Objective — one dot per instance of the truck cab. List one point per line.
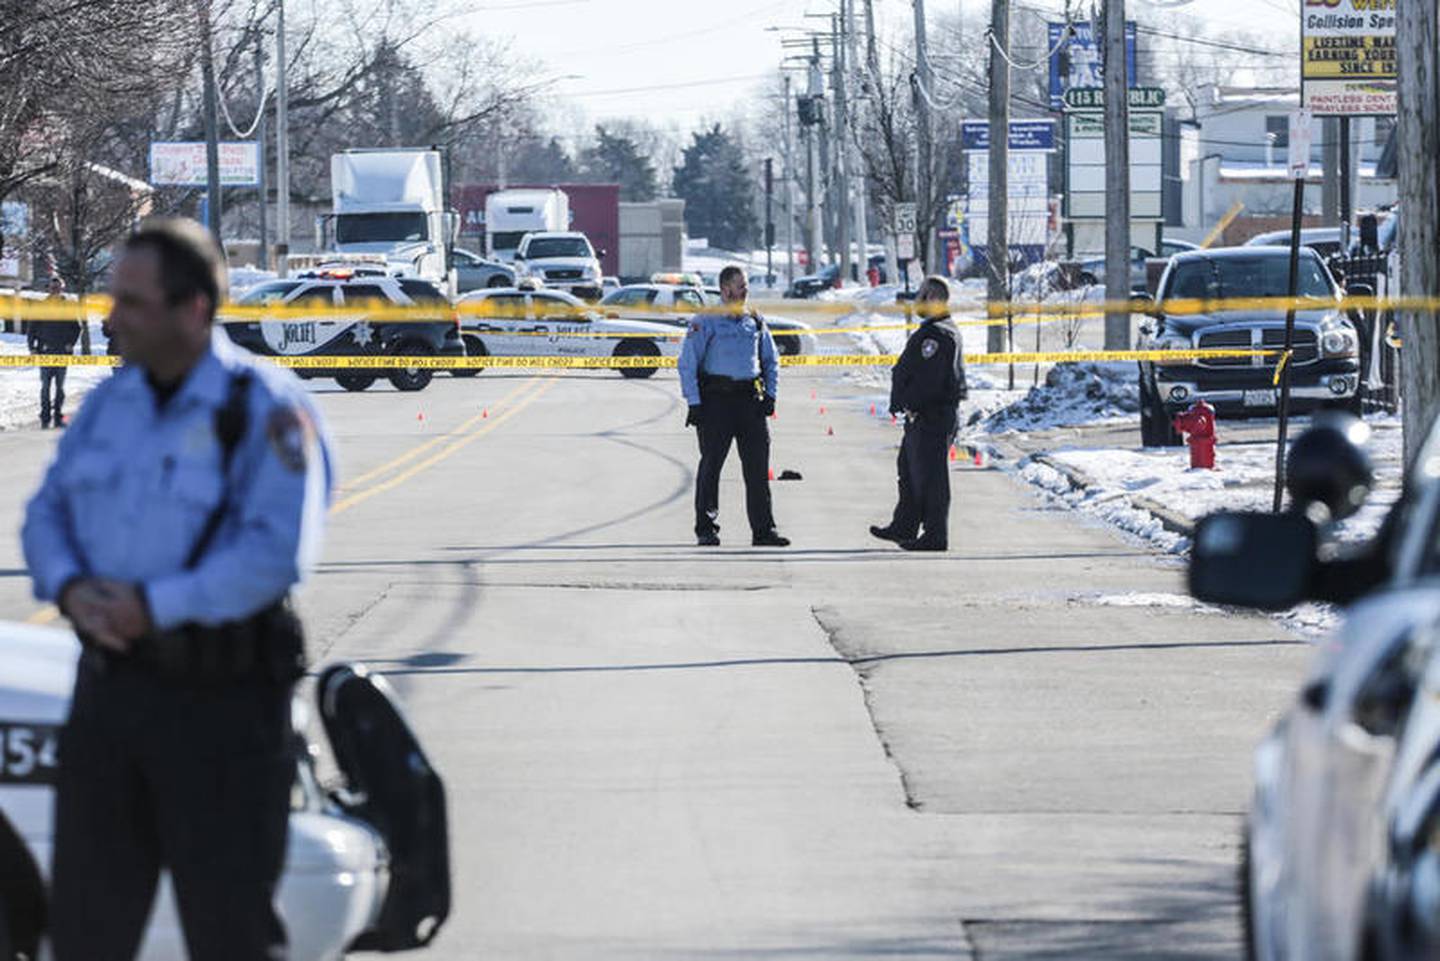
(511, 214)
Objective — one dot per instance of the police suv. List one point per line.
(525, 321)
(353, 292)
(367, 865)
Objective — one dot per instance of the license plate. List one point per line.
(28, 753)
(1260, 398)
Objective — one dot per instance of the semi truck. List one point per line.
(392, 201)
(511, 214)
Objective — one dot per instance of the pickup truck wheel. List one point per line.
(637, 348)
(356, 382)
(412, 378)
(1156, 429)
(474, 347)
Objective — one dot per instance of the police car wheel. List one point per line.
(788, 345)
(412, 378)
(474, 347)
(637, 348)
(355, 382)
(499, 280)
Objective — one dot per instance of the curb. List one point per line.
(1079, 480)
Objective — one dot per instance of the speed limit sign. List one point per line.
(904, 218)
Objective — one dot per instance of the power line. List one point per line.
(1218, 44)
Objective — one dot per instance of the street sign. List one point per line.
(1347, 57)
(1093, 98)
(905, 245)
(1024, 135)
(183, 164)
(904, 219)
(1301, 137)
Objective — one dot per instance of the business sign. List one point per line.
(14, 219)
(1024, 135)
(1347, 57)
(183, 164)
(1085, 173)
(1080, 63)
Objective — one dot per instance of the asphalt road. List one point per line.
(655, 750)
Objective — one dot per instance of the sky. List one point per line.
(677, 62)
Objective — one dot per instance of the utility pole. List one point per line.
(1117, 178)
(861, 195)
(815, 239)
(840, 140)
(789, 190)
(769, 222)
(1345, 211)
(212, 122)
(263, 259)
(1330, 179)
(924, 188)
(872, 67)
(997, 238)
(1418, 145)
(282, 146)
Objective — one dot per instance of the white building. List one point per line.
(1238, 151)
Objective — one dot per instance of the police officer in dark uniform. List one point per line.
(926, 386)
(729, 372)
(184, 502)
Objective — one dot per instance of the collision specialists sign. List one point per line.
(1024, 135)
(1347, 57)
(183, 164)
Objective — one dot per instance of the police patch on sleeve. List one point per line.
(289, 431)
(927, 349)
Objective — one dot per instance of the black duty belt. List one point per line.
(725, 386)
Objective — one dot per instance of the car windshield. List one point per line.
(379, 228)
(1216, 278)
(266, 294)
(558, 247)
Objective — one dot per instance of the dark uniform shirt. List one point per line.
(929, 378)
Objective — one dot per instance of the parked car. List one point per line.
(1340, 854)
(561, 259)
(1325, 241)
(1325, 368)
(473, 272)
(791, 336)
(353, 294)
(521, 322)
(803, 288)
(367, 865)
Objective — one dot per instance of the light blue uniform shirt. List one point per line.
(723, 344)
(132, 486)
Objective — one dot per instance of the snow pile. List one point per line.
(1072, 394)
(1108, 506)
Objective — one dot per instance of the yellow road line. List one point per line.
(419, 449)
(454, 447)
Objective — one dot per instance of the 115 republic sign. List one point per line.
(1347, 57)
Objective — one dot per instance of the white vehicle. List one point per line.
(675, 304)
(525, 323)
(561, 259)
(511, 214)
(365, 868)
(392, 202)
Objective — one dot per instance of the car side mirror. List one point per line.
(1359, 289)
(1369, 232)
(1143, 304)
(1262, 561)
(600, 253)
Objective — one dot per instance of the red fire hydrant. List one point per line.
(1198, 423)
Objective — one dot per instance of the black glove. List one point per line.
(767, 406)
(692, 419)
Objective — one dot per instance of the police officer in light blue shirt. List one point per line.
(184, 502)
(729, 373)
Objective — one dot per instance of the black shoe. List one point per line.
(60, 421)
(44, 423)
(707, 540)
(923, 544)
(770, 538)
(887, 534)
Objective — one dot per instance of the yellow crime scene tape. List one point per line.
(385, 362)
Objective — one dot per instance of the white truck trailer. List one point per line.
(511, 214)
(392, 201)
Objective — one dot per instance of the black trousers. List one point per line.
(924, 481)
(52, 376)
(726, 418)
(193, 780)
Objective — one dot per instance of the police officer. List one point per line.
(729, 372)
(183, 503)
(53, 336)
(926, 385)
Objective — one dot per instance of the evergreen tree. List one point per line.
(718, 192)
(616, 159)
(542, 162)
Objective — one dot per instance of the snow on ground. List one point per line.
(20, 386)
